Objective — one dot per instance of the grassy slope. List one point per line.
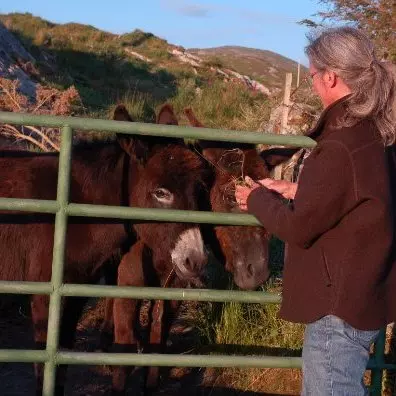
(93, 60)
(98, 64)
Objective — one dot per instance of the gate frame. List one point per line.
(62, 209)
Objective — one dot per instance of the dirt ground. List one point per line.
(17, 379)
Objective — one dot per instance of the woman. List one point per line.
(339, 276)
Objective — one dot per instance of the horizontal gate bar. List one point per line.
(29, 205)
(152, 359)
(155, 129)
(170, 215)
(23, 356)
(156, 293)
(151, 293)
(140, 359)
(13, 287)
(116, 212)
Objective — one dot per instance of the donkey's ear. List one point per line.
(213, 155)
(192, 119)
(134, 146)
(126, 142)
(121, 114)
(275, 156)
(167, 116)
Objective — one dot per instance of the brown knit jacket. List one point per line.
(339, 229)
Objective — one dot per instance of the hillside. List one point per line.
(228, 87)
(95, 62)
(265, 66)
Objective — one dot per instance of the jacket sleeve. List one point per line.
(320, 201)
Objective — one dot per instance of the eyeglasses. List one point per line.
(314, 74)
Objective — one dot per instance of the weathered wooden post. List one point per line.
(298, 74)
(285, 115)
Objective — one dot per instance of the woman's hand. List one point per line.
(242, 192)
(285, 188)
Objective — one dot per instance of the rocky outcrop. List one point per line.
(137, 55)
(186, 57)
(227, 74)
(16, 62)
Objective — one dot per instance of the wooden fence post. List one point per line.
(298, 74)
(285, 115)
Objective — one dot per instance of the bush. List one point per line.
(49, 101)
(222, 105)
(135, 38)
(214, 61)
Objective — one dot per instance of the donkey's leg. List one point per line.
(39, 270)
(39, 308)
(107, 328)
(125, 341)
(72, 312)
(130, 273)
(163, 315)
(72, 308)
(155, 341)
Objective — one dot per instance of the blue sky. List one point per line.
(264, 24)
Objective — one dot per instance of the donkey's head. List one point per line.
(244, 249)
(172, 179)
(167, 175)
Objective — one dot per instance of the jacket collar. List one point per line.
(327, 120)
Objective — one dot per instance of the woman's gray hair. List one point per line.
(350, 54)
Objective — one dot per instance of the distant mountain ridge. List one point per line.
(265, 66)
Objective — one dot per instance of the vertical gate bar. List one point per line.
(58, 254)
(377, 373)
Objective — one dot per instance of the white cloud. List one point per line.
(194, 9)
(187, 8)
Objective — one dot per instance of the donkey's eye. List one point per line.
(163, 195)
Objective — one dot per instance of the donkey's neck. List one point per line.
(99, 175)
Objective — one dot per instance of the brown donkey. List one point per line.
(244, 250)
(118, 173)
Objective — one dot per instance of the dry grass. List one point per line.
(267, 381)
(246, 329)
(222, 105)
(389, 379)
(49, 101)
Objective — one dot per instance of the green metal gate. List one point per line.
(56, 289)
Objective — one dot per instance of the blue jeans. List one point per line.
(335, 357)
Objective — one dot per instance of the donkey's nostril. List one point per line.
(250, 270)
(189, 256)
(195, 264)
(189, 264)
